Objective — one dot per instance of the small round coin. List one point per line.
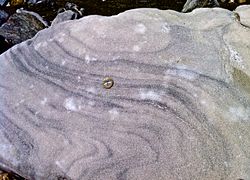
(107, 83)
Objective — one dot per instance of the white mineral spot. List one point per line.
(140, 28)
(70, 104)
(91, 90)
(60, 164)
(165, 28)
(203, 101)
(60, 39)
(31, 86)
(113, 113)
(187, 75)
(19, 102)
(136, 48)
(63, 63)
(65, 141)
(79, 77)
(182, 73)
(91, 103)
(239, 113)
(149, 95)
(236, 58)
(88, 58)
(79, 51)
(37, 46)
(44, 101)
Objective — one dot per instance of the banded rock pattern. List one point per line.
(179, 108)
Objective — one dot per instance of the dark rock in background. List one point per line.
(4, 45)
(227, 4)
(192, 4)
(17, 2)
(64, 16)
(3, 17)
(3, 2)
(21, 26)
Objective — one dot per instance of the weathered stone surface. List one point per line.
(179, 107)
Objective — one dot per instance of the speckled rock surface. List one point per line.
(179, 107)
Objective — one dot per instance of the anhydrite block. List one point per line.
(179, 107)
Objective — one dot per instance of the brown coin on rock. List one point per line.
(107, 83)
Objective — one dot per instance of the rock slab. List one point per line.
(179, 107)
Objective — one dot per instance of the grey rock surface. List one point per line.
(179, 107)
